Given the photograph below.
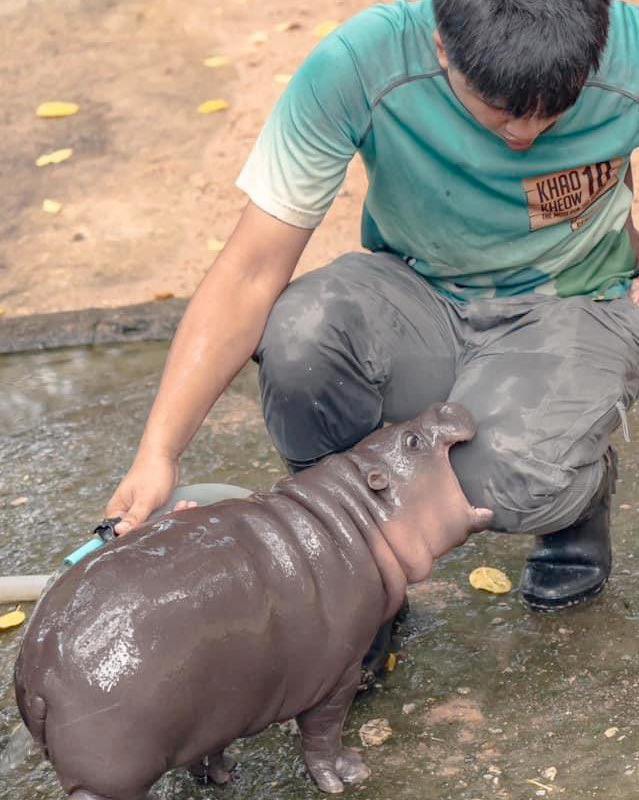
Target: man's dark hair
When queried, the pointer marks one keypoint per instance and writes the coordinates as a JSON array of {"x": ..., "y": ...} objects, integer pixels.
[{"x": 527, "y": 56}]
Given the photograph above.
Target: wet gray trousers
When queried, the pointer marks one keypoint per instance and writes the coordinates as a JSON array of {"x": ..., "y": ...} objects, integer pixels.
[{"x": 366, "y": 341}]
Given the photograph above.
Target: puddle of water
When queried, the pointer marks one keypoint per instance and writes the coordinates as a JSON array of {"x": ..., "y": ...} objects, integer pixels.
[{"x": 500, "y": 695}]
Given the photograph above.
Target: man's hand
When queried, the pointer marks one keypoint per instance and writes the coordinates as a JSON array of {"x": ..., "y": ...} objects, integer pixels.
[{"x": 147, "y": 486}]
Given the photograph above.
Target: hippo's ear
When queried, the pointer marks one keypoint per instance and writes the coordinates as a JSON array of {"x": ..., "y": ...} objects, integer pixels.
[{"x": 377, "y": 480}]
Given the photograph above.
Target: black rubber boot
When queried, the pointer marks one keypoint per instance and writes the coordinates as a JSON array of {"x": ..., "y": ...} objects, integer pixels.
[
  {"x": 572, "y": 566},
  {"x": 385, "y": 644}
]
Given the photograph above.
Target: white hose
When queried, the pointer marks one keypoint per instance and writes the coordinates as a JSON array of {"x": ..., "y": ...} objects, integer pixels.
[{"x": 22, "y": 588}]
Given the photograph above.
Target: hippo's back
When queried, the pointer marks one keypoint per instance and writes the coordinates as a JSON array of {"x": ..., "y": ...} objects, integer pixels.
[{"x": 140, "y": 634}]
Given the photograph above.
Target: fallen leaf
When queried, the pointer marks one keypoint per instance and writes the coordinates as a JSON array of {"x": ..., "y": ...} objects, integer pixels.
[
  {"x": 215, "y": 245},
  {"x": 19, "y": 501},
  {"x": 51, "y": 206},
  {"x": 55, "y": 109},
  {"x": 391, "y": 662},
  {"x": 282, "y": 77},
  {"x": 284, "y": 27},
  {"x": 217, "y": 61},
  {"x": 12, "y": 620},
  {"x": 550, "y": 774},
  {"x": 490, "y": 580},
  {"x": 375, "y": 732},
  {"x": 259, "y": 37},
  {"x": 324, "y": 28},
  {"x": 611, "y": 732},
  {"x": 212, "y": 106},
  {"x": 56, "y": 157},
  {"x": 163, "y": 296}
]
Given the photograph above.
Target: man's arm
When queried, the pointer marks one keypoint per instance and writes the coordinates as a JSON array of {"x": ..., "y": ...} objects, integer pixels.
[{"x": 219, "y": 332}]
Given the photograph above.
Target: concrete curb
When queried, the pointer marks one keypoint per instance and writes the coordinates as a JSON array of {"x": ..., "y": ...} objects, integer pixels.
[{"x": 155, "y": 321}]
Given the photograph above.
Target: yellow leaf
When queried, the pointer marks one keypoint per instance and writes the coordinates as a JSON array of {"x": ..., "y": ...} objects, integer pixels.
[
  {"x": 215, "y": 245},
  {"x": 216, "y": 61},
  {"x": 259, "y": 37},
  {"x": 212, "y": 106},
  {"x": 57, "y": 157},
  {"x": 490, "y": 580},
  {"x": 391, "y": 662},
  {"x": 52, "y": 206},
  {"x": 57, "y": 109},
  {"x": 12, "y": 620},
  {"x": 324, "y": 28},
  {"x": 282, "y": 77}
]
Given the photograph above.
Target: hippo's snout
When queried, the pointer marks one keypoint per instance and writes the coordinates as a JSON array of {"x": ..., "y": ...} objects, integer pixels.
[{"x": 449, "y": 423}]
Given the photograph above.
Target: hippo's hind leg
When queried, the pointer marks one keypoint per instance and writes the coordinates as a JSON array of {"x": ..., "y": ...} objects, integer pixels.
[
  {"x": 214, "y": 768},
  {"x": 330, "y": 764}
]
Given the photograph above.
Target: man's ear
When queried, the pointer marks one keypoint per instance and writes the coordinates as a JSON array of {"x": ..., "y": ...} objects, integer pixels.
[
  {"x": 442, "y": 55},
  {"x": 377, "y": 480}
]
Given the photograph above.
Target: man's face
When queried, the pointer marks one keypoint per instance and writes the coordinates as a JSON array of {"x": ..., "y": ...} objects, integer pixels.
[{"x": 518, "y": 133}]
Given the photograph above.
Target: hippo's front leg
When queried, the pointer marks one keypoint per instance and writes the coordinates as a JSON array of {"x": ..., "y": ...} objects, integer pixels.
[{"x": 330, "y": 764}]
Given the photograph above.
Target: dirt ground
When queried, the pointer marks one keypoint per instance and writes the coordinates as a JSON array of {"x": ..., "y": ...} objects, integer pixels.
[{"x": 151, "y": 181}]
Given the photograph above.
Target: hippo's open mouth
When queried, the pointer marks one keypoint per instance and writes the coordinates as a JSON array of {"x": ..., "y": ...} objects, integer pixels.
[{"x": 458, "y": 426}]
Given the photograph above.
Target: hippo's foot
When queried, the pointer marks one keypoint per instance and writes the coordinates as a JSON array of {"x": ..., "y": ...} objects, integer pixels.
[
  {"x": 214, "y": 768},
  {"x": 351, "y": 767},
  {"x": 330, "y": 764},
  {"x": 331, "y": 774}
]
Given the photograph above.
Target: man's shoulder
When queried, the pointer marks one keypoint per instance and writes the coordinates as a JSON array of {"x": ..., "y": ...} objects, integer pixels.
[
  {"x": 619, "y": 69},
  {"x": 390, "y": 42}
]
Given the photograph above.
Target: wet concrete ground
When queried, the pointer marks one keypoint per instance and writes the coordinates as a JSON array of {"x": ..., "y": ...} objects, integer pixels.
[{"x": 500, "y": 696}]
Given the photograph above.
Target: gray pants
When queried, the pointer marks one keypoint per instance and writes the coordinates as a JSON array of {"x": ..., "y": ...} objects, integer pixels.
[{"x": 366, "y": 340}]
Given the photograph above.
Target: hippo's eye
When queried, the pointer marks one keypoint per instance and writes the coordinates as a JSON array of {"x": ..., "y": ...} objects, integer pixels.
[{"x": 413, "y": 441}]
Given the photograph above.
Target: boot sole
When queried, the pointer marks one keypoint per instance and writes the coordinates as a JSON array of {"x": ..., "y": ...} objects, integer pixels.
[{"x": 547, "y": 606}]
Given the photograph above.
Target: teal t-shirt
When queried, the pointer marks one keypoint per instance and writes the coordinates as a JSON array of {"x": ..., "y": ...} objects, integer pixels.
[{"x": 472, "y": 216}]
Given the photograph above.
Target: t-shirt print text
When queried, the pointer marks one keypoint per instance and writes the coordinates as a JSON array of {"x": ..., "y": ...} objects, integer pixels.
[{"x": 567, "y": 195}]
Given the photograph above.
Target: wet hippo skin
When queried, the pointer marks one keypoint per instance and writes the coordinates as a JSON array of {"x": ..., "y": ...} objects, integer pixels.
[{"x": 213, "y": 622}]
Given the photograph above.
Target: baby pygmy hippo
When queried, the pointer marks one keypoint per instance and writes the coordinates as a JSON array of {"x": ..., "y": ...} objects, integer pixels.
[{"x": 213, "y": 622}]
